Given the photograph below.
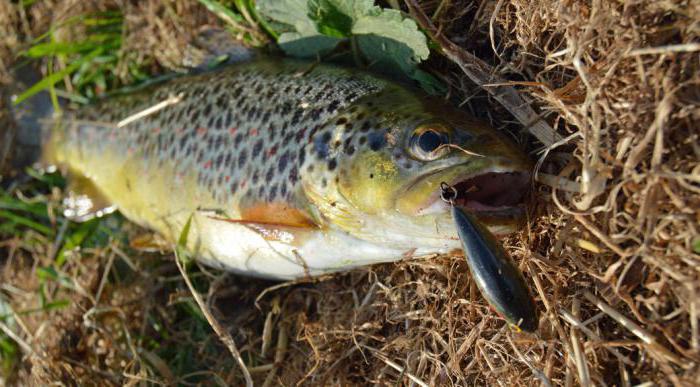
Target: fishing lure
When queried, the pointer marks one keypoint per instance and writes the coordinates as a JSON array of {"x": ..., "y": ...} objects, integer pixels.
[{"x": 499, "y": 280}]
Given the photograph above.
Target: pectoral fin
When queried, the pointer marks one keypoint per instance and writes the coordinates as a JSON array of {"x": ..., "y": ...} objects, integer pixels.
[
  {"x": 284, "y": 225},
  {"x": 85, "y": 201}
]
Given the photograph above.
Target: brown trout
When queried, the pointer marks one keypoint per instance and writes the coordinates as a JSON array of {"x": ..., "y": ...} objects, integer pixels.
[{"x": 289, "y": 169}]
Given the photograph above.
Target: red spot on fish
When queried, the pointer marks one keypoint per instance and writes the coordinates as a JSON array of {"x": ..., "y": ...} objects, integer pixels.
[
  {"x": 300, "y": 134},
  {"x": 232, "y": 130},
  {"x": 156, "y": 130},
  {"x": 207, "y": 165},
  {"x": 254, "y": 131},
  {"x": 228, "y": 178},
  {"x": 201, "y": 131},
  {"x": 272, "y": 151},
  {"x": 243, "y": 183}
]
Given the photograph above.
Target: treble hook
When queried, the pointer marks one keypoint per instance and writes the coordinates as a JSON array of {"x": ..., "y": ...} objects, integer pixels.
[{"x": 448, "y": 193}]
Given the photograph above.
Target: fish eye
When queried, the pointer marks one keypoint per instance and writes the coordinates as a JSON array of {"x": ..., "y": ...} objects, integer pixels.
[{"x": 427, "y": 143}]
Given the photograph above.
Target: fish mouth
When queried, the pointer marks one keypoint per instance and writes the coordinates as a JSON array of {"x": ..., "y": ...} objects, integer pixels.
[{"x": 492, "y": 196}]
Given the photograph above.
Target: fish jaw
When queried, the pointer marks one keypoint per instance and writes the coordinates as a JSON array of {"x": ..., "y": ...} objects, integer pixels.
[{"x": 492, "y": 193}]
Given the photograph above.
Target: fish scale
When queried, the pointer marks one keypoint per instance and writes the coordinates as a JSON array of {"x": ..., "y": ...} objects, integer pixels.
[
  {"x": 284, "y": 168},
  {"x": 231, "y": 133}
]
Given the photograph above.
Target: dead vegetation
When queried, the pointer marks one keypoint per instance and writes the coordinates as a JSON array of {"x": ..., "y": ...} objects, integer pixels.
[{"x": 611, "y": 250}]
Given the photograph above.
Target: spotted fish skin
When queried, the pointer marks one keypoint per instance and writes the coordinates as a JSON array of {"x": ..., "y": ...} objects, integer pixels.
[{"x": 286, "y": 168}]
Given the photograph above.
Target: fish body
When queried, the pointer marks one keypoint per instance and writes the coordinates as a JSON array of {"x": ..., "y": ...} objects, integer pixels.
[
  {"x": 290, "y": 169},
  {"x": 495, "y": 274}
]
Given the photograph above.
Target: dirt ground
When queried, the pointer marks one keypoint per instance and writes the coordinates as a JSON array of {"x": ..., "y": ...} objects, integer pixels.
[{"x": 611, "y": 250}]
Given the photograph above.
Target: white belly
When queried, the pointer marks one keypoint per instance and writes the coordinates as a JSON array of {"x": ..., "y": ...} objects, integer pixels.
[{"x": 241, "y": 248}]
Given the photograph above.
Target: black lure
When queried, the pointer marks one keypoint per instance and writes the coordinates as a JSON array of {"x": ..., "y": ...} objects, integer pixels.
[{"x": 499, "y": 280}]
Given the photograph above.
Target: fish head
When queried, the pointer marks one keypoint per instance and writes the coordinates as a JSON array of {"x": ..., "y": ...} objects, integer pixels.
[{"x": 403, "y": 149}]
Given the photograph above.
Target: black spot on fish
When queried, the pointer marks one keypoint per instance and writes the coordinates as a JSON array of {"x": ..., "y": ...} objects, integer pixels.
[
  {"x": 266, "y": 117},
  {"x": 219, "y": 122},
  {"x": 297, "y": 117},
  {"x": 286, "y": 108},
  {"x": 183, "y": 141},
  {"x": 293, "y": 174},
  {"x": 282, "y": 163},
  {"x": 257, "y": 149},
  {"x": 256, "y": 177},
  {"x": 341, "y": 121},
  {"x": 315, "y": 114},
  {"x": 362, "y": 140},
  {"x": 221, "y": 101},
  {"x": 229, "y": 118},
  {"x": 207, "y": 109},
  {"x": 332, "y": 164},
  {"x": 242, "y": 156},
  {"x": 321, "y": 145},
  {"x": 365, "y": 126},
  {"x": 273, "y": 193},
  {"x": 288, "y": 137},
  {"x": 283, "y": 190},
  {"x": 333, "y": 106},
  {"x": 300, "y": 135},
  {"x": 270, "y": 173},
  {"x": 302, "y": 156},
  {"x": 376, "y": 140},
  {"x": 324, "y": 182},
  {"x": 350, "y": 149},
  {"x": 238, "y": 139}
]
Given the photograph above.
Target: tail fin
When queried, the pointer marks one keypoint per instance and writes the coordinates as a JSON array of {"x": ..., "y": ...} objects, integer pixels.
[{"x": 22, "y": 126}]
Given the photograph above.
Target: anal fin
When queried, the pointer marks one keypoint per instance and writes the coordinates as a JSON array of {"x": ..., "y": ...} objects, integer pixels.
[{"x": 84, "y": 201}]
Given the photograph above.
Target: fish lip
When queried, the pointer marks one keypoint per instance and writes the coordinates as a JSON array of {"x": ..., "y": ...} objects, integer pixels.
[{"x": 435, "y": 204}]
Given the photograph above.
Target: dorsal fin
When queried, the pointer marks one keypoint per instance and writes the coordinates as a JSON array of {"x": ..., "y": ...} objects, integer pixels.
[{"x": 84, "y": 200}]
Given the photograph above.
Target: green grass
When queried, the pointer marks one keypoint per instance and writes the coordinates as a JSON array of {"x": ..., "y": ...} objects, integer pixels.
[{"x": 179, "y": 334}]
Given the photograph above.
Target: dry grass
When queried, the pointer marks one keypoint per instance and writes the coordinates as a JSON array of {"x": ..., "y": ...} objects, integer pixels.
[{"x": 609, "y": 248}]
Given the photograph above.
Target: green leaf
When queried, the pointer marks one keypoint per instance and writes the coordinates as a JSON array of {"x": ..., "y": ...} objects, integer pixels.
[
  {"x": 391, "y": 26},
  {"x": 302, "y": 38},
  {"x": 300, "y": 46},
  {"x": 389, "y": 41},
  {"x": 336, "y": 18},
  {"x": 696, "y": 245}
]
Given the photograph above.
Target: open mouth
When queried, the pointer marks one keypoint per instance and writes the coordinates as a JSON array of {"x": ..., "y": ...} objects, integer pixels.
[
  {"x": 493, "y": 191},
  {"x": 491, "y": 194}
]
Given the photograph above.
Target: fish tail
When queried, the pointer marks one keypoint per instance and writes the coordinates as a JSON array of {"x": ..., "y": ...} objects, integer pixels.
[{"x": 25, "y": 128}]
